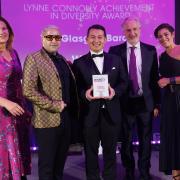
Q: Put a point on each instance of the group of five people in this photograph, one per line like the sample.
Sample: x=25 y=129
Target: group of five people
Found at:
x=62 y=97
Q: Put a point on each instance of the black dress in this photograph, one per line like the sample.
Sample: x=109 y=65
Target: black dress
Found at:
x=170 y=116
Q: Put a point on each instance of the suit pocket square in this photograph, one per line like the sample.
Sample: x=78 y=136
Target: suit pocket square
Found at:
x=113 y=68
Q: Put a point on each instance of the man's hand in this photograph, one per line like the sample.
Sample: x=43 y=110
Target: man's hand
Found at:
x=111 y=93
x=89 y=95
x=63 y=105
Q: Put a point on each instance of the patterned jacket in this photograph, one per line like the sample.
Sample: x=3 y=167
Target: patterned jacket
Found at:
x=42 y=86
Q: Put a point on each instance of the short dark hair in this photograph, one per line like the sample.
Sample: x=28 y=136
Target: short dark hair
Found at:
x=163 y=26
x=11 y=34
x=96 y=26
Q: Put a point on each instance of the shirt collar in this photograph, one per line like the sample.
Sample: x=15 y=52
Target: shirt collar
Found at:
x=50 y=53
x=130 y=45
x=53 y=56
x=92 y=52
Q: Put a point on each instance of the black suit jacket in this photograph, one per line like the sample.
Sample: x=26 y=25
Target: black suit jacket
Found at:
x=84 y=68
x=149 y=75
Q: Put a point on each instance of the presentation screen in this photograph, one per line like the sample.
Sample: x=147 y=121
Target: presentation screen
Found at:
x=73 y=17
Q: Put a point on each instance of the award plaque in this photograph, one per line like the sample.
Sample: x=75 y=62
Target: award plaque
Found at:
x=100 y=85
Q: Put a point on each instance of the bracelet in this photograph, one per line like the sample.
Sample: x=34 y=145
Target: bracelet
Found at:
x=172 y=80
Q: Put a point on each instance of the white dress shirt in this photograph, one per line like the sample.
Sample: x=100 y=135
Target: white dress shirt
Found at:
x=99 y=61
x=137 y=52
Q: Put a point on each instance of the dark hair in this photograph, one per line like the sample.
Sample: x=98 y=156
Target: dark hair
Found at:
x=163 y=26
x=11 y=34
x=96 y=26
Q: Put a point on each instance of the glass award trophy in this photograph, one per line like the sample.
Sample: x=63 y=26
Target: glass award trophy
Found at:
x=100 y=85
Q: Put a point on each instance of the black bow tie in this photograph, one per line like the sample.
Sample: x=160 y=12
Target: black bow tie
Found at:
x=97 y=55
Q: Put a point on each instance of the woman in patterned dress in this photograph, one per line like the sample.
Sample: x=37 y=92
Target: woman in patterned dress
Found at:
x=14 y=141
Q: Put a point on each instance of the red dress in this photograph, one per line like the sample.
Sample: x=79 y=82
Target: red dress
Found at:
x=15 y=157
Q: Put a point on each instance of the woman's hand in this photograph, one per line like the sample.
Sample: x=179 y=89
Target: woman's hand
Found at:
x=156 y=112
x=163 y=82
x=13 y=108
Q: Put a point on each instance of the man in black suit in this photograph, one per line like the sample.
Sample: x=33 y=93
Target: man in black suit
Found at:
x=101 y=115
x=139 y=104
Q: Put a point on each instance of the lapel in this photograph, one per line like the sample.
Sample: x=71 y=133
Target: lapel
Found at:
x=144 y=57
x=91 y=66
x=68 y=65
x=123 y=52
x=47 y=59
x=107 y=64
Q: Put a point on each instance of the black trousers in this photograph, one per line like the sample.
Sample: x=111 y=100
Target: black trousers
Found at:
x=53 y=144
x=106 y=133
x=143 y=120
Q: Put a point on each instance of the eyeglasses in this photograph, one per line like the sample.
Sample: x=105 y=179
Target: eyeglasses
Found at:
x=51 y=37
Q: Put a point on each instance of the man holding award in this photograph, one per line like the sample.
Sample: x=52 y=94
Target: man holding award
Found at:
x=101 y=80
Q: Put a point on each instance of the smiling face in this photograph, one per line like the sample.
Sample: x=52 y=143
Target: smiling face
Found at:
x=4 y=33
x=96 y=40
x=166 y=38
x=131 y=29
x=51 y=44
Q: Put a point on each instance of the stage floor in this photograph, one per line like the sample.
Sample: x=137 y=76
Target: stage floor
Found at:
x=75 y=167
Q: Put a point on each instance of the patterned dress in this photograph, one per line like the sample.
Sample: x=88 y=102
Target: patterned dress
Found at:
x=14 y=141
